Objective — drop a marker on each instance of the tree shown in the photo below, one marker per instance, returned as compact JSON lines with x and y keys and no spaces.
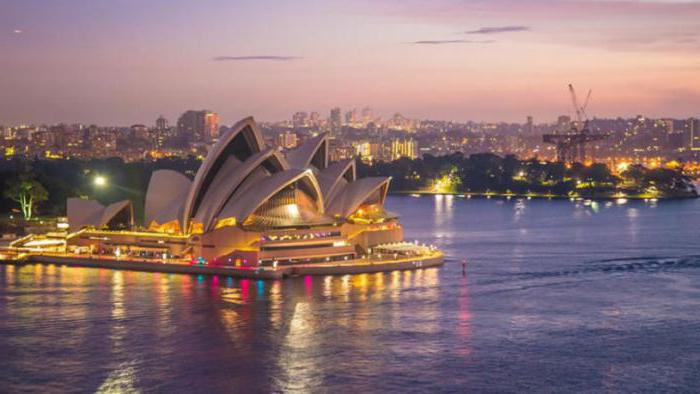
{"x":26,"y":191}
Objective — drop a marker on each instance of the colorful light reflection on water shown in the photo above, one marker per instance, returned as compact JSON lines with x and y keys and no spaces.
{"x":557,"y":296}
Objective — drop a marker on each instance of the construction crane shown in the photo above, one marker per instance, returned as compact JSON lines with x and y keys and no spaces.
{"x":571,"y":146}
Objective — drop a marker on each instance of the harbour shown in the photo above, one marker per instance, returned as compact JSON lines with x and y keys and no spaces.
{"x":556,"y":295}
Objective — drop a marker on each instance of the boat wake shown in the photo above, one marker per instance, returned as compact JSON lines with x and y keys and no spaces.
{"x":626,"y":265}
{"x":633,"y":264}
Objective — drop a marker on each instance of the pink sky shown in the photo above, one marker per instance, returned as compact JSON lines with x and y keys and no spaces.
{"x":127,"y":61}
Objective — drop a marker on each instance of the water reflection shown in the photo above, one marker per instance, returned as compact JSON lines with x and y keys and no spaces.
{"x":276,"y":304}
{"x":327,"y":286}
{"x":232,"y":295}
{"x":464,"y":317}
{"x":518,"y":210}
{"x":162,"y":284}
{"x":230,"y":320}
{"x":121,"y":380}
{"x":297,"y":361}
{"x":122,"y":377}
{"x":541,"y":281}
{"x":442,"y":213}
{"x":379,"y":292}
{"x":118,"y":295}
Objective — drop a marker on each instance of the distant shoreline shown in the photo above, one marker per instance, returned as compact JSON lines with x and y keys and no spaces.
{"x":540,"y":196}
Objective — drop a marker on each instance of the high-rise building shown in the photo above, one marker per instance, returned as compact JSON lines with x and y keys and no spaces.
{"x":139,"y":131}
{"x":530,"y":125}
{"x":286,"y":140}
{"x":199,"y":126}
{"x":211,"y":126}
{"x":161,"y":123}
{"x":351,"y":117}
{"x":399,"y":122}
{"x":563,"y":123}
{"x":300,"y":119}
{"x":403,"y":148}
{"x":668,"y":126}
{"x":314,"y":119}
{"x":336,"y":120}
{"x":694,"y":131}
{"x":367,"y":115}
{"x":363,"y":150}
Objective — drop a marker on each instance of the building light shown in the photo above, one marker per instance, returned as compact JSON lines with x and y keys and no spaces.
{"x":293,"y":210}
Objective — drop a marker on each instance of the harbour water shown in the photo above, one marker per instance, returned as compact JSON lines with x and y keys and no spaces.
{"x":558,"y":296}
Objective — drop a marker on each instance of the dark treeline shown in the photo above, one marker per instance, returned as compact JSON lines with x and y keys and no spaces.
{"x":482,"y":173}
{"x":75,"y":178}
{"x":452,"y":173}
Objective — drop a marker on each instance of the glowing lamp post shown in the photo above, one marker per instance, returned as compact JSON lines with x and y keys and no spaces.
{"x":100,"y":181}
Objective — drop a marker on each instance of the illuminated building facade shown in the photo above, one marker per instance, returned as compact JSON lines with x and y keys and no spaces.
{"x":249,"y":205}
{"x":336,"y":120}
{"x":200,"y":126}
{"x":403,"y":148}
{"x":286,"y":140}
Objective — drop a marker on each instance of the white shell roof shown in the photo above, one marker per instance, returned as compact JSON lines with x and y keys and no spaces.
{"x":226,"y":187}
{"x":246,"y":125}
{"x":355,"y":193}
{"x":301,"y":157}
{"x":232,"y":180}
{"x":165,"y":196}
{"x":219,"y":187}
{"x":113,"y":210}
{"x":82,"y":212}
{"x":332,"y":180}
{"x":246,"y":204}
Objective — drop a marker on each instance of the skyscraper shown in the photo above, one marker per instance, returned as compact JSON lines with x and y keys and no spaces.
{"x":300,"y":119}
{"x":314,"y":119}
{"x":351,"y":117}
{"x":286,"y":140}
{"x":694,"y":131}
{"x":563,"y":123}
{"x":211,"y":126}
{"x":161,"y":123}
{"x":199,"y":126}
{"x":530,"y":126}
{"x":403,"y":148}
{"x":367,"y":115}
{"x":668,"y":126}
{"x":139,"y":131}
{"x":336,"y":120}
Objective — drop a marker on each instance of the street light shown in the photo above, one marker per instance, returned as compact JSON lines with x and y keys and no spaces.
{"x":100,"y":181}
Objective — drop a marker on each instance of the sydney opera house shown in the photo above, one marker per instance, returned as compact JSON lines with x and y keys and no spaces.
{"x":250,"y":205}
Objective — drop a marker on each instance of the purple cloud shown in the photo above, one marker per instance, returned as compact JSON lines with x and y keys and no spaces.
{"x":273,"y":58}
{"x":498,"y":29}
{"x":441,"y":42}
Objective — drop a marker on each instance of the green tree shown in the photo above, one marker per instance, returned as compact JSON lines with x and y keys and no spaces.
{"x":26,"y":191}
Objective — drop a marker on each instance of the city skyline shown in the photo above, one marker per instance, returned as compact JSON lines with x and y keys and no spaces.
{"x":349,"y":195}
{"x":121,"y":62}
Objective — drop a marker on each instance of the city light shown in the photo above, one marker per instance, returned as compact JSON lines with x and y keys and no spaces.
{"x":100,"y":181}
{"x":337,"y":196}
{"x":622,"y":166}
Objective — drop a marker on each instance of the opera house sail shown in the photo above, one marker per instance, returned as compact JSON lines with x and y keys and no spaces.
{"x":249,"y":205}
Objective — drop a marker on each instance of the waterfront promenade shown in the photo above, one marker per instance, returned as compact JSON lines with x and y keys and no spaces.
{"x":370,"y":264}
